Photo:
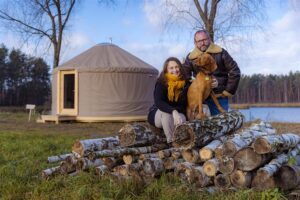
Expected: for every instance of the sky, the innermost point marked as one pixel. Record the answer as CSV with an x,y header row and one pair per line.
x,y
137,27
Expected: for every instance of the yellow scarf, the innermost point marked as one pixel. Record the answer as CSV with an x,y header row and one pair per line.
x,y
213,48
175,84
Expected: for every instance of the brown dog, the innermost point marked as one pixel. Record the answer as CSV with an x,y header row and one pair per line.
x,y
200,89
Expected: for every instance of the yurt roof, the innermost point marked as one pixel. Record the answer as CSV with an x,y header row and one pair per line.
x,y
107,57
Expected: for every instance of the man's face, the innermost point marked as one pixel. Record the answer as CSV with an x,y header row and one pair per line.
x,y
202,42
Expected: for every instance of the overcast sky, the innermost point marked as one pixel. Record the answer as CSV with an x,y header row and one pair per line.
x,y
136,26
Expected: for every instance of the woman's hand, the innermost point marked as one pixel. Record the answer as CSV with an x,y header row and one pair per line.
x,y
176,117
214,82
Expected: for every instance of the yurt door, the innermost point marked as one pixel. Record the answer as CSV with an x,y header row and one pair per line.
x,y
68,92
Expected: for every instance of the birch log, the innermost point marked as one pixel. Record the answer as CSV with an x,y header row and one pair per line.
x,y
200,133
199,178
191,155
50,172
53,159
226,165
222,181
211,167
247,159
66,168
85,147
102,170
288,176
181,168
167,152
111,162
124,170
170,163
264,174
219,152
122,151
85,163
139,135
148,156
275,143
241,179
244,139
129,159
153,166
207,152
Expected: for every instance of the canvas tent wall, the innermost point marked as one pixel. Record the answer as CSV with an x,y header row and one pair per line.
x,y
104,81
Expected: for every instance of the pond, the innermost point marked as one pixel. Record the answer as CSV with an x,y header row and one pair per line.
x,y
272,114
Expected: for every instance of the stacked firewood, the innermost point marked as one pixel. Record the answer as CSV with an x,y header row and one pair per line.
x,y
214,151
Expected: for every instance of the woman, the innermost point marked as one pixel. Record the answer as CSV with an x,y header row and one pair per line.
x,y
170,98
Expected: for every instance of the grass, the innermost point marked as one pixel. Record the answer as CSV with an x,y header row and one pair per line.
x,y
24,148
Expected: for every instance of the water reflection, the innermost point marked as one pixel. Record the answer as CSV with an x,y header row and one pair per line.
x,y
272,114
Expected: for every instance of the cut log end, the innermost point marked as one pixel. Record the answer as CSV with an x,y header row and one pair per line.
x,y
77,147
222,181
241,179
226,165
210,167
229,149
184,136
261,146
205,154
127,135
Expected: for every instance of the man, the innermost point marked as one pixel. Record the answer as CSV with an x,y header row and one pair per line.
x,y
227,74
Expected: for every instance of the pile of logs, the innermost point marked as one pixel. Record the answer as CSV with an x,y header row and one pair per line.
x,y
214,151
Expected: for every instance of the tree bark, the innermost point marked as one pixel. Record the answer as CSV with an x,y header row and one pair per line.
x,y
181,168
275,143
153,166
245,138
85,147
226,165
200,133
138,135
111,162
148,156
170,163
123,151
53,159
219,152
241,179
66,168
211,167
247,159
191,155
222,181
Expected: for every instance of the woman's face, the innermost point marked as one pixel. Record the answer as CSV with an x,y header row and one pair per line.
x,y
173,68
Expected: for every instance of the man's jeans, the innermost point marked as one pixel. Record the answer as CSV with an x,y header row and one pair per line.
x,y
212,106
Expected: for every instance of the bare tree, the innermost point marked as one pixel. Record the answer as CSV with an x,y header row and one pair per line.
x,y
39,19
221,18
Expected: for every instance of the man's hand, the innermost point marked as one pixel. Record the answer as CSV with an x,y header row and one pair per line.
x,y
214,82
176,117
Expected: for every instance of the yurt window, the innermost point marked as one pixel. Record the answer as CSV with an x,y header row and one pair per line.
x,y
69,86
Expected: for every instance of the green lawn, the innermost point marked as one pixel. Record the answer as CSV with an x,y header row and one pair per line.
x,y
24,148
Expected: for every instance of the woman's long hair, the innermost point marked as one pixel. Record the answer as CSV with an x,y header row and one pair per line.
x,y
162,77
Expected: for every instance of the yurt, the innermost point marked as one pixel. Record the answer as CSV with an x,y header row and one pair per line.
x,y
104,83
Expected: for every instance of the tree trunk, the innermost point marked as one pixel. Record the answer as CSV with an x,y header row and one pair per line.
x,y
123,151
226,165
211,167
139,135
53,159
245,138
200,133
247,159
85,147
275,143
85,163
199,178
266,173
207,152
241,179
50,172
222,181
191,155
153,166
